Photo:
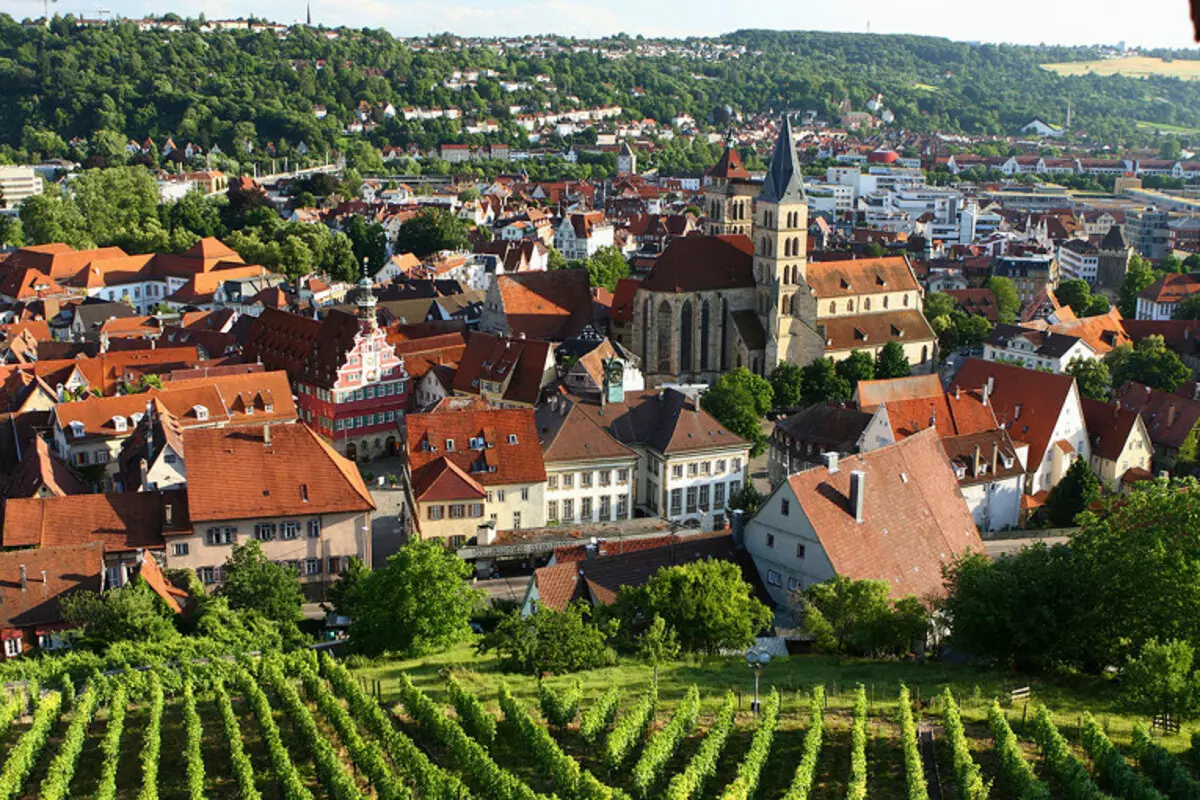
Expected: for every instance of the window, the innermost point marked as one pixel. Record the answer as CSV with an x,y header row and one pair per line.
x,y
264,531
705,467
335,565
605,508
435,512
568,480
489,497
792,584
525,493
568,511
622,506
585,509
704,498
449,445
676,501
227,535
552,511
718,495
737,465
77,429
207,574
516,520
771,540
785,507
734,487
677,471
774,578
457,510
12,648
500,495
314,528
622,476
512,438
291,529
606,477
552,482
799,550
585,480
693,469
179,548
691,499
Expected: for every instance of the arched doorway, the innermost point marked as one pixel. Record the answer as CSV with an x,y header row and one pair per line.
x,y
393,447
352,451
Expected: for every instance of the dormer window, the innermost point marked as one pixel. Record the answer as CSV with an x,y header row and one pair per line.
x,y
269,408
960,471
120,424
512,438
449,445
475,443
200,411
77,429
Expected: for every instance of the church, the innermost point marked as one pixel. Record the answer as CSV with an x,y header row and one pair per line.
x,y
745,294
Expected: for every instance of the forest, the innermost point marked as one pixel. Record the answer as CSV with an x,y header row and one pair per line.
x,y
242,90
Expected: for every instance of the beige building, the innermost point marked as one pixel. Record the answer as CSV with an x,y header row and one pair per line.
x,y
282,485
1121,446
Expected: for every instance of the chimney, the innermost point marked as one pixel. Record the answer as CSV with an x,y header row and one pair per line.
x,y
831,461
932,418
858,491
168,515
144,471
24,579
957,393
62,392
991,385
266,435
1017,411
995,458
1171,415
1196,390
984,394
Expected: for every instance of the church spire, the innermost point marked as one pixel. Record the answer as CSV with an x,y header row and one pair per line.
x,y
309,17
785,180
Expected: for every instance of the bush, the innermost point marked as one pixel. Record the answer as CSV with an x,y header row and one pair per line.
x,y
560,707
548,641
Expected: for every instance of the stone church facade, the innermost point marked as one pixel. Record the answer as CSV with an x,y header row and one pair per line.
x,y
742,295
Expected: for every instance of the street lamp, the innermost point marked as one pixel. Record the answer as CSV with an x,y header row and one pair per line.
x,y
756,659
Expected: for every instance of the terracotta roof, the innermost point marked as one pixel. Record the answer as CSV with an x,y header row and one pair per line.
x,y
67,570
1108,427
233,473
1101,332
122,521
1169,418
832,279
702,263
1179,334
826,424
510,453
980,302
443,480
149,571
421,355
568,434
868,330
41,470
59,261
1171,288
520,362
729,166
872,394
1045,343
1026,402
546,305
983,457
915,520
952,414
613,547
622,304
666,420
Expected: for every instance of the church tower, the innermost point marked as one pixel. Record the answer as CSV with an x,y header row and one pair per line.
x,y
780,237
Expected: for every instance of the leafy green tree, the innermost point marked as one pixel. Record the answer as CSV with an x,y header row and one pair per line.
x,y
787,384
858,366
431,231
11,234
1140,275
134,613
1092,377
606,267
346,591
1008,302
368,240
254,582
549,641
822,383
891,362
1077,293
845,615
48,217
1149,362
1188,307
658,644
747,499
1077,490
1170,149
555,259
1192,263
117,204
1162,679
418,603
707,603
739,400
939,304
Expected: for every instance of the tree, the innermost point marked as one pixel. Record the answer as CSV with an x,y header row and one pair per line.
x,y
134,613
1008,302
347,591
1077,490
606,267
1092,377
787,384
739,400
549,641
418,603
891,362
1188,307
368,240
48,217
858,616
707,603
118,204
658,643
431,231
1138,277
1161,679
939,304
254,582
1148,362
822,383
858,366
1170,149
555,259
1077,293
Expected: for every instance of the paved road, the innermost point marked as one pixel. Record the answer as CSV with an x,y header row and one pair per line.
x,y
1007,547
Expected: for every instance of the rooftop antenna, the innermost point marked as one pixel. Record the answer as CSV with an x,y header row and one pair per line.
x,y
46,6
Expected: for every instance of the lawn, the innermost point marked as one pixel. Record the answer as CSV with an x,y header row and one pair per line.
x,y
794,676
1132,66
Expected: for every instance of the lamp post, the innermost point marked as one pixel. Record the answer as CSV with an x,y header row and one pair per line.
x,y
756,659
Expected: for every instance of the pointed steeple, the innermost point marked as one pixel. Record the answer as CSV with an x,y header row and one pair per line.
x,y
785,180
309,23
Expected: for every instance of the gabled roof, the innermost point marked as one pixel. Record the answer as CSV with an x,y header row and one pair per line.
x,y
568,434
859,276
1046,344
871,394
492,357
833,426
622,304
510,453
546,305
954,413
41,469
67,570
1169,417
1101,332
784,182
235,473
665,420
1171,288
1109,427
702,263
121,521
868,330
729,165
915,520
1026,402
442,480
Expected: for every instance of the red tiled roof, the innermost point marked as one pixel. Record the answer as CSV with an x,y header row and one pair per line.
x,y
123,522
729,166
872,394
622,304
859,276
915,520
234,473
492,357
506,461
980,302
546,305
953,414
868,330
1108,427
443,480
1169,417
702,263
67,570
1171,288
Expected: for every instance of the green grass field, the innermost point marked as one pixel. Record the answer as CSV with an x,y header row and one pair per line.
x,y
1132,66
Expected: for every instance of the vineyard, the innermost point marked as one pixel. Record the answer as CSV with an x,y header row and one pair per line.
x,y
302,727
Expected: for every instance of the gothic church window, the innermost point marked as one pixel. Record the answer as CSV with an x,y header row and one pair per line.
x,y
665,330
